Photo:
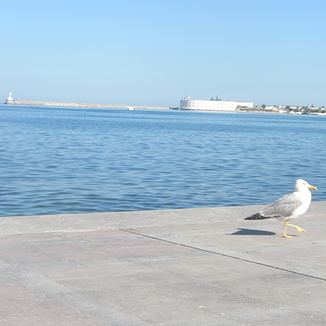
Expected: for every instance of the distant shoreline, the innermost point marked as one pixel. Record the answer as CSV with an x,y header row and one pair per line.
x,y
141,107
90,105
118,106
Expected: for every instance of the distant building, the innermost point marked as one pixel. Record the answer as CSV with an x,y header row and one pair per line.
x,y
212,105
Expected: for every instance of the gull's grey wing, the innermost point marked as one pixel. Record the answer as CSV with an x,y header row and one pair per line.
x,y
283,207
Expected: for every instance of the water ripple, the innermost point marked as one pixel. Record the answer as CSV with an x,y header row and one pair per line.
x,y
58,161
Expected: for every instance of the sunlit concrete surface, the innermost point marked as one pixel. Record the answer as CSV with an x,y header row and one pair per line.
x,y
205,266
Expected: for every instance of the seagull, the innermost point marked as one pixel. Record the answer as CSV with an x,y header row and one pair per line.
x,y
288,207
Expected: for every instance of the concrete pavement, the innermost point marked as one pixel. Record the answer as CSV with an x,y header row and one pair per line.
x,y
199,267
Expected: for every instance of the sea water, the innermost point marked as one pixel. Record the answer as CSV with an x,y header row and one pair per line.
x,y
79,160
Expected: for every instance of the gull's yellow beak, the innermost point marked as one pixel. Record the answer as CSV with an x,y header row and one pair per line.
x,y
312,187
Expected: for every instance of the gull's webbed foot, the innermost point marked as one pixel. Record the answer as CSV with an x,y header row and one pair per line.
x,y
286,224
297,228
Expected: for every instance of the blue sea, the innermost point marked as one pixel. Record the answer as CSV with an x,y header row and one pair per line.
x,y
79,160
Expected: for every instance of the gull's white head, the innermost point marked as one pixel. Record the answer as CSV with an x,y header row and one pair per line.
x,y
301,185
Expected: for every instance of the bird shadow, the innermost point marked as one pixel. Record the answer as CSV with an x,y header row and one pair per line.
x,y
251,232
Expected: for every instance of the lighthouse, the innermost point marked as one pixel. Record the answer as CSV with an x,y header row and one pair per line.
x,y
9,99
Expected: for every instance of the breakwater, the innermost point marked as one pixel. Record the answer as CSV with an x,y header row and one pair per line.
x,y
88,105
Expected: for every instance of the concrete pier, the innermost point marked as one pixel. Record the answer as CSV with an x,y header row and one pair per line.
x,y
187,267
87,105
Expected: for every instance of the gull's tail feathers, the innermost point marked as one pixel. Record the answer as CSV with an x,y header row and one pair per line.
x,y
257,216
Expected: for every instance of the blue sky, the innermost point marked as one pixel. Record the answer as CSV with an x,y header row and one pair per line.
x,y
153,52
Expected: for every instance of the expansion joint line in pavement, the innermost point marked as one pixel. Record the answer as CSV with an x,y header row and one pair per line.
x,y
222,254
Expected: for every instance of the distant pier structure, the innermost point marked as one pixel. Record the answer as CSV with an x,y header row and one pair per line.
x,y
9,99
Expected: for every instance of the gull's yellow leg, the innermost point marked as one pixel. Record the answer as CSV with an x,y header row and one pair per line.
x,y
284,232
297,228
